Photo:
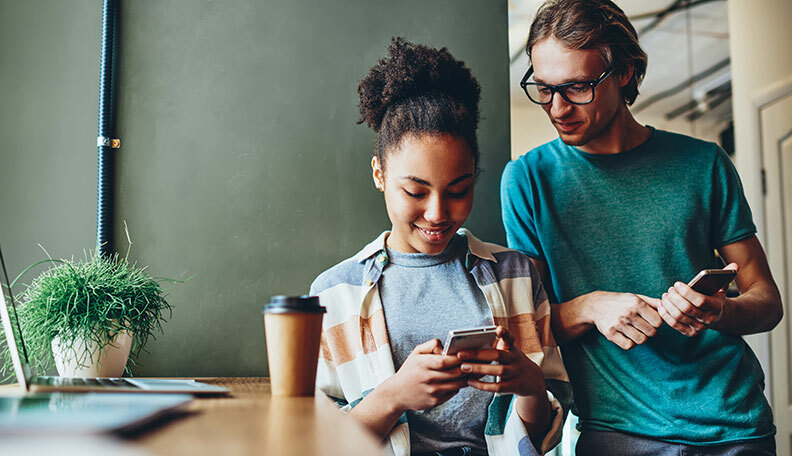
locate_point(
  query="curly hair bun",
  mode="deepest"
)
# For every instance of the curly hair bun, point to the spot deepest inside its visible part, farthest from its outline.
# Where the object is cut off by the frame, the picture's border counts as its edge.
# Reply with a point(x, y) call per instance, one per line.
point(414, 70)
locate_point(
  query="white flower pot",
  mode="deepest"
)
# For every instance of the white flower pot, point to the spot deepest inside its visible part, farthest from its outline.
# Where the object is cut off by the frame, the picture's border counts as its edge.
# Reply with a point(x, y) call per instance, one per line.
point(91, 360)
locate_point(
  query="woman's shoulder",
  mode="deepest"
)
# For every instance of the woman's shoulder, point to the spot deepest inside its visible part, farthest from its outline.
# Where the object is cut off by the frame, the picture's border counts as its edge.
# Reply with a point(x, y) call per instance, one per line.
point(350, 271)
point(509, 262)
point(520, 284)
point(347, 272)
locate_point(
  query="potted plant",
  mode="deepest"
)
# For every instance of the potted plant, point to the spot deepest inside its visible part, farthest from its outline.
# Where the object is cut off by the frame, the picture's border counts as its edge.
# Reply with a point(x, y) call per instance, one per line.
point(89, 314)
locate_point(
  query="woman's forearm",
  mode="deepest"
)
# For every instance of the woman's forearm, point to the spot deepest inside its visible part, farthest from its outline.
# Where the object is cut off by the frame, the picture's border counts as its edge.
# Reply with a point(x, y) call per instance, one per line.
point(377, 412)
point(536, 413)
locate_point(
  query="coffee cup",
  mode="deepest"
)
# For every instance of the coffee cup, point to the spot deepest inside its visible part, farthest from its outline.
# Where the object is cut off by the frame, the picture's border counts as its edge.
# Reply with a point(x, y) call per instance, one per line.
point(293, 326)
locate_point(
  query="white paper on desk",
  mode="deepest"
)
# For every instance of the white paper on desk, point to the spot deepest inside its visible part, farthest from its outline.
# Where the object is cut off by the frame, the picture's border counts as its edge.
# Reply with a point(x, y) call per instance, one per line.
point(171, 384)
point(67, 446)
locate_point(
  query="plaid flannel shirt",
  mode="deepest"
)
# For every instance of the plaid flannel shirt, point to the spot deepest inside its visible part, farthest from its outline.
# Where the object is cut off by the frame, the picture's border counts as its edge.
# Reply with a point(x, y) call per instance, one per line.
point(355, 353)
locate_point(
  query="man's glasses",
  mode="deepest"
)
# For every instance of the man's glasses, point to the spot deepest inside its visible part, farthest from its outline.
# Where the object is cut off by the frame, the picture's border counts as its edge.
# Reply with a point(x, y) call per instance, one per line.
point(575, 92)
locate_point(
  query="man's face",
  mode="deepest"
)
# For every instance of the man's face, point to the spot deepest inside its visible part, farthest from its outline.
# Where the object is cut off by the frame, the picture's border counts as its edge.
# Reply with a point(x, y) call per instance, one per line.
point(577, 125)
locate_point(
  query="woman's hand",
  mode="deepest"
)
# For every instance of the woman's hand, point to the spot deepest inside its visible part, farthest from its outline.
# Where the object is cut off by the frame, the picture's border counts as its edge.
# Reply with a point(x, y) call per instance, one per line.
point(426, 379)
point(515, 372)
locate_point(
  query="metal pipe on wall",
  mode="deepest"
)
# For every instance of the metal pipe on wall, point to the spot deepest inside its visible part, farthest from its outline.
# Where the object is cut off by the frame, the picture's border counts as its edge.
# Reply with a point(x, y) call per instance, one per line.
point(104, 143)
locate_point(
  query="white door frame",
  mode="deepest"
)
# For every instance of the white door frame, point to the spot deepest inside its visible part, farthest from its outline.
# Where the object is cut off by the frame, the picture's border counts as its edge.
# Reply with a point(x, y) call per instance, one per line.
point(765, 344)
point(760, 343)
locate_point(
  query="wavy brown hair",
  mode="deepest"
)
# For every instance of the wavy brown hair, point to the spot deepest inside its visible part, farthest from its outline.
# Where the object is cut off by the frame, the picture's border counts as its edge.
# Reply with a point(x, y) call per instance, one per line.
point(593, 24)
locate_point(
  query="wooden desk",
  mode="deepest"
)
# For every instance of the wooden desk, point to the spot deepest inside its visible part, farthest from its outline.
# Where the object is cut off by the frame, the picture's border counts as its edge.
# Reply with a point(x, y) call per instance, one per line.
point(251, 422)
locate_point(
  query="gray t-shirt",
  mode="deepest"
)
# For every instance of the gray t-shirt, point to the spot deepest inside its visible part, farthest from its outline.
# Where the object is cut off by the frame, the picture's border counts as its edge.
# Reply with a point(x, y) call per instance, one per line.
point(424, 297)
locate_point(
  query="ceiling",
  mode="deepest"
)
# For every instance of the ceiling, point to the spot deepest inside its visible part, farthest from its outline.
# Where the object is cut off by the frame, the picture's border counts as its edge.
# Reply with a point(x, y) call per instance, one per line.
point(668, 39)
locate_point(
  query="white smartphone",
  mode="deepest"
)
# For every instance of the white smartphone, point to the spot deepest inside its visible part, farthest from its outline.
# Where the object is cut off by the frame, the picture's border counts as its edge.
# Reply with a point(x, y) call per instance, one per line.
point(469, 339)
point(709, 281)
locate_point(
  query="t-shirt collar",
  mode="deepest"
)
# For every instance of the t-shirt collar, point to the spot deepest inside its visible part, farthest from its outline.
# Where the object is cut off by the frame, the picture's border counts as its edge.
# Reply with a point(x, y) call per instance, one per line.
point(475, 247)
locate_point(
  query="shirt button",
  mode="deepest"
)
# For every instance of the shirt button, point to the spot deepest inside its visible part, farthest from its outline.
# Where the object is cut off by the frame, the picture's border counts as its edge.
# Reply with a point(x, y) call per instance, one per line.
point(382, 258)
point(369, 283)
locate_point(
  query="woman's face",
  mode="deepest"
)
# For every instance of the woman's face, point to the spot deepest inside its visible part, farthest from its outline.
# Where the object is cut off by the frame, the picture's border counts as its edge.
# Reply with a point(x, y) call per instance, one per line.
point(428, 184)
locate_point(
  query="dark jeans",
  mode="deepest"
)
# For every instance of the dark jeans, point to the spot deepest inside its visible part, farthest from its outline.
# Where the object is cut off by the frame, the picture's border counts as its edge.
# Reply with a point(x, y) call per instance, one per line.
point(596, 443)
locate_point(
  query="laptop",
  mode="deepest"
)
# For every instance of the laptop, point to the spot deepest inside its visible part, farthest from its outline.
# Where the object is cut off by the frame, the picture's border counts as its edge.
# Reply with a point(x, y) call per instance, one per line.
point(82, 413)
point(36, 383)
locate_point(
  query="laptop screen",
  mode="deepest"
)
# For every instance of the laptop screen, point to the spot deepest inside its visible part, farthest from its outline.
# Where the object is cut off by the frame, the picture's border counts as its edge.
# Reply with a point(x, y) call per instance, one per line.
point(15, 347)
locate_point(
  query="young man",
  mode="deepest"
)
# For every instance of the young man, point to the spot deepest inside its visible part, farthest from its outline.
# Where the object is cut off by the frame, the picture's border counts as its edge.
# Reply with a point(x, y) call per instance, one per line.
point(618, 217)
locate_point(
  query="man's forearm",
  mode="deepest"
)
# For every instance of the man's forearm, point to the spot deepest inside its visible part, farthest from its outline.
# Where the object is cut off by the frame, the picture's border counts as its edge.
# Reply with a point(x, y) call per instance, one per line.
point(757, 310)
point(569, 320)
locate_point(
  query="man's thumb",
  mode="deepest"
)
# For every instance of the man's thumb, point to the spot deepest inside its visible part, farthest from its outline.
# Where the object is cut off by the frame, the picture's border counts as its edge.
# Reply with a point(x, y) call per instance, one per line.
point(654, 302)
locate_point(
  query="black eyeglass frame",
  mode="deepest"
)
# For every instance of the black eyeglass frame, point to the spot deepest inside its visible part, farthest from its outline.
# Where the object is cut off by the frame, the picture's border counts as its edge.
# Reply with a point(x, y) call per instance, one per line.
point(559, 88)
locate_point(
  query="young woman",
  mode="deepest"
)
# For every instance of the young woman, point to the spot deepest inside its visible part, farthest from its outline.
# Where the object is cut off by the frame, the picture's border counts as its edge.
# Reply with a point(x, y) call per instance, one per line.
point(388, 305)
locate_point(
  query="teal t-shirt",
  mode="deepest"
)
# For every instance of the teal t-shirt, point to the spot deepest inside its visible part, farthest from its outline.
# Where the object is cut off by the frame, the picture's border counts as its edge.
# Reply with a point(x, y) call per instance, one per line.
point(637, 222)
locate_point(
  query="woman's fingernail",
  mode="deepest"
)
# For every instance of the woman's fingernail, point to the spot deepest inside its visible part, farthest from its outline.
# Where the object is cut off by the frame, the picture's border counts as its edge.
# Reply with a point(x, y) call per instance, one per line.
point(463, 355)
point(465, 368)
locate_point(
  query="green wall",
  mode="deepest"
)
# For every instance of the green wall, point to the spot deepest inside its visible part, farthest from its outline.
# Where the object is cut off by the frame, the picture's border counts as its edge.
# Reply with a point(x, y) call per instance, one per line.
point(241, 163)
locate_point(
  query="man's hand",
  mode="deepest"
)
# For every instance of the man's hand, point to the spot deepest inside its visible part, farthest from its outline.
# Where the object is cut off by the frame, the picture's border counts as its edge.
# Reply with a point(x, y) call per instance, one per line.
point(757, 309)
point(625, 319)
point(426, 379)
point(690, 312)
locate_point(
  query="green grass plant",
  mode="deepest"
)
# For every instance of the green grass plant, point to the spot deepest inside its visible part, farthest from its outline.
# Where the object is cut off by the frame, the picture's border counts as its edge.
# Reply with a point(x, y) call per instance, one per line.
point(90, 299)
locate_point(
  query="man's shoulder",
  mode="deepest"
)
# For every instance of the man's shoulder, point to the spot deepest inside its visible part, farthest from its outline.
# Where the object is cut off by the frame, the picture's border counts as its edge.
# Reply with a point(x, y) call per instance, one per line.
point(683, 143)
point(547, 153)
point(537, 160)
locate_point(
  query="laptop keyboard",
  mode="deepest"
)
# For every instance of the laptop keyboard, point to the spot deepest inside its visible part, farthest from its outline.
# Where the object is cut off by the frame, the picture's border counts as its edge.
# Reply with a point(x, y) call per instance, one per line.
point(81, 382)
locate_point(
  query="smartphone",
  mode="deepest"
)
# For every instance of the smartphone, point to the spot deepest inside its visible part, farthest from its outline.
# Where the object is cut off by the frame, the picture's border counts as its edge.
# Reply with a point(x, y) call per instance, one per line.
point(469, 339)
point(709, 281)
